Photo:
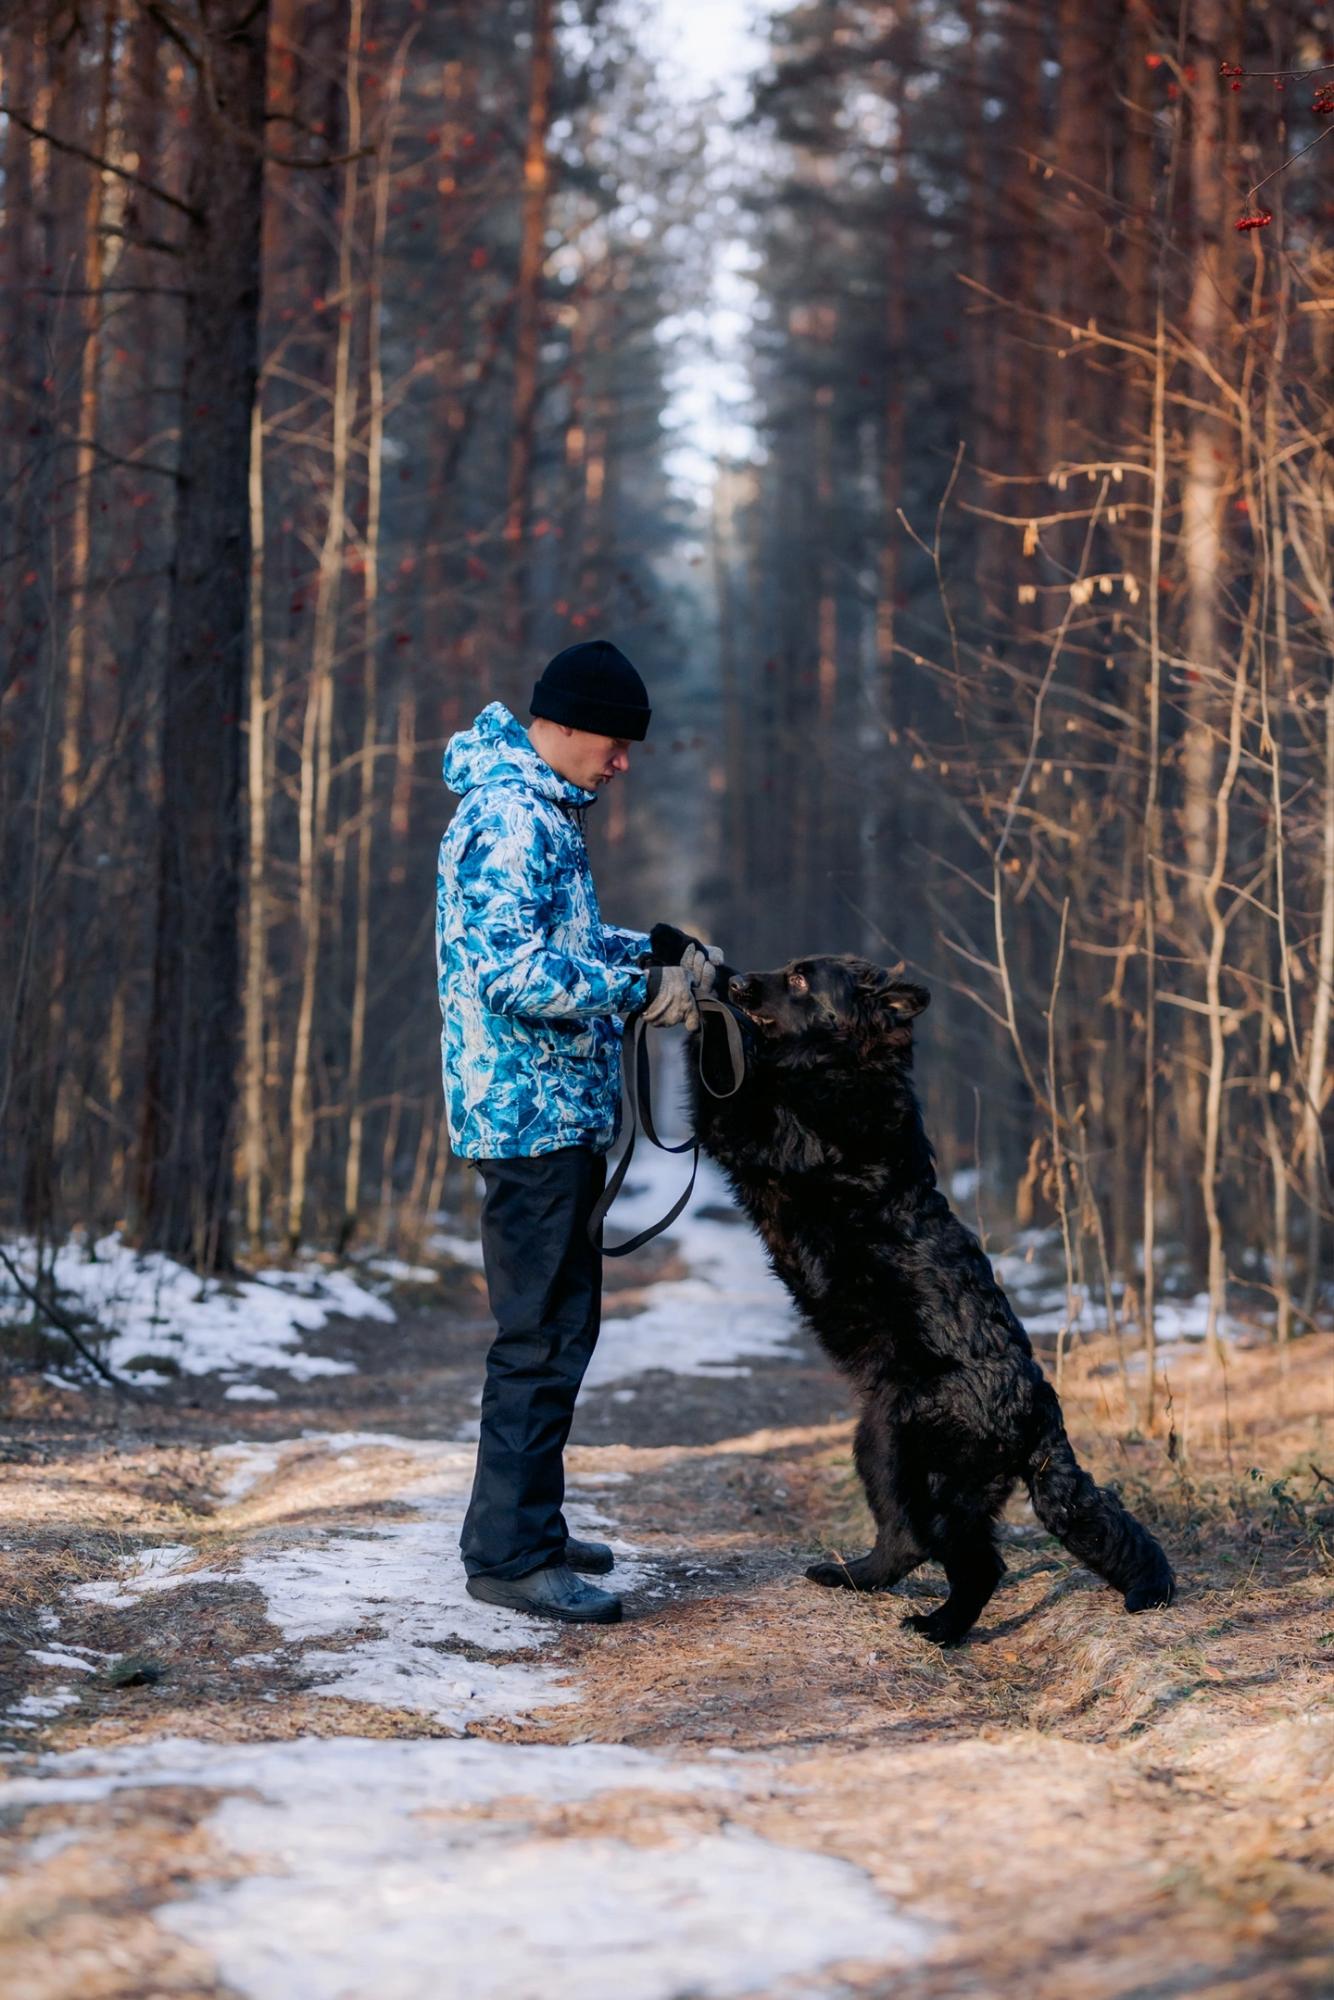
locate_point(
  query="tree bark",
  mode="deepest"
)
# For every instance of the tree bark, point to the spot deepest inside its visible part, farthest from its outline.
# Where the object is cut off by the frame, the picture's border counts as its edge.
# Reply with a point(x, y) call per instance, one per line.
point(258, 763)
point(185, 1179)
point(85, 450)
point(370, 691)
point(536, 183)
point(1202, 491)
point(317, 730)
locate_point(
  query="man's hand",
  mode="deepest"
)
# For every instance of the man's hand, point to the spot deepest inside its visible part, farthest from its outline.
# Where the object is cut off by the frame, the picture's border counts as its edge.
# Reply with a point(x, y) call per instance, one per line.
point(701, 961)
point(671, 998)
point(671, 946)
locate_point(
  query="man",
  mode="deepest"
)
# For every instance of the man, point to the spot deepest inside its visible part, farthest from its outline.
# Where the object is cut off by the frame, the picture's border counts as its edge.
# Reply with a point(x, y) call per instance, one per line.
point(532, 983)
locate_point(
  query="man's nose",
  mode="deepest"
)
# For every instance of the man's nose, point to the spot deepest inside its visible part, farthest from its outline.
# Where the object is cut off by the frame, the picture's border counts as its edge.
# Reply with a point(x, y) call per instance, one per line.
point(620, 760)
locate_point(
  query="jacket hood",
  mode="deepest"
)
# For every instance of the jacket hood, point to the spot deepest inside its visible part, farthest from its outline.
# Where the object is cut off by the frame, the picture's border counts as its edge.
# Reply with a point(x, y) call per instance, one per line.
point(496, 751)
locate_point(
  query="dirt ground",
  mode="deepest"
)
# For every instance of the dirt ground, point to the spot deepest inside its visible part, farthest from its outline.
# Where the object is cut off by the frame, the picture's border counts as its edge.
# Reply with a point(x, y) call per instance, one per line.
point(1079, 1803)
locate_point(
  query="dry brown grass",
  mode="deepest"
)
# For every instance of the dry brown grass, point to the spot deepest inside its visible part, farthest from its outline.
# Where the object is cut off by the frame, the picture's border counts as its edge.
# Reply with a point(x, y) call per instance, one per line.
point(1089, 1806)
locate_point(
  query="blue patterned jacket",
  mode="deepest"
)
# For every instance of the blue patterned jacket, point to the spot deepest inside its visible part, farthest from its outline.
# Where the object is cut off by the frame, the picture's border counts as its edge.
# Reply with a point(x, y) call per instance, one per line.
point(530, 978)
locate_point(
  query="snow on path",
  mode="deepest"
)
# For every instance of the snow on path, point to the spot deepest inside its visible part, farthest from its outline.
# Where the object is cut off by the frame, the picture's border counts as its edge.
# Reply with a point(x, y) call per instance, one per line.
point(403, 1578)
point(419, 1869)
point(726, 1313)
point(729, 1310)
point(373, 1878)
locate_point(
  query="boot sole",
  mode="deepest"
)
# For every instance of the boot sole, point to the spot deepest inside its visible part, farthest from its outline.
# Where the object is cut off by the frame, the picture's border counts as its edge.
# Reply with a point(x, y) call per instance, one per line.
point(488, 1592)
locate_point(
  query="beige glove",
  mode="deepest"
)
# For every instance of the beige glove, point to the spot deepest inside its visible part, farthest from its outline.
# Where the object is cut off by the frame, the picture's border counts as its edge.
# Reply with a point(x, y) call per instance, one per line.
point(671, 998)
point(701, 961)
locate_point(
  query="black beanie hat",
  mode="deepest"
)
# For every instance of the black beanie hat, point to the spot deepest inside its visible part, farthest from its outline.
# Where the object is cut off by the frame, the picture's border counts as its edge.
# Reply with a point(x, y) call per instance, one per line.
point(593, 686)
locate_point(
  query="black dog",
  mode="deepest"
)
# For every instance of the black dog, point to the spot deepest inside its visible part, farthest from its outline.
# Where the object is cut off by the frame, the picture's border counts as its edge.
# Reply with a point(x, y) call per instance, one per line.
point(825, 1149)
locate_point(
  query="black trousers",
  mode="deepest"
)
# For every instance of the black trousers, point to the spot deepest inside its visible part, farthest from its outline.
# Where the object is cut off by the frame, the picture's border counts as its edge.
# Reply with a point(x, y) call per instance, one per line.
point(544, 1279)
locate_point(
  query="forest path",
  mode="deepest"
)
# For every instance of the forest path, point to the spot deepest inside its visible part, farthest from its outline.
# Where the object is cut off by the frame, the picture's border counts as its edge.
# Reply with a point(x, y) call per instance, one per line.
point(263, 1744)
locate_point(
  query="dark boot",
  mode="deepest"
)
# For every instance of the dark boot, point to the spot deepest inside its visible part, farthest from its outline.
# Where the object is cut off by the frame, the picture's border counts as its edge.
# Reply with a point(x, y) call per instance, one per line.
point(593, 1558)
point(551, 1592)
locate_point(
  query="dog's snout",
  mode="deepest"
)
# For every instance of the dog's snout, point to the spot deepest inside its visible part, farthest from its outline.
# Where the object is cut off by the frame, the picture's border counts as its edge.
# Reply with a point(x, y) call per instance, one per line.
point(739, 988)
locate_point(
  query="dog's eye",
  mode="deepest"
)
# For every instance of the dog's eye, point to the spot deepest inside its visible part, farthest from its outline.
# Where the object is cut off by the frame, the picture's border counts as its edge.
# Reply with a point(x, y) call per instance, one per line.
point(796, 982)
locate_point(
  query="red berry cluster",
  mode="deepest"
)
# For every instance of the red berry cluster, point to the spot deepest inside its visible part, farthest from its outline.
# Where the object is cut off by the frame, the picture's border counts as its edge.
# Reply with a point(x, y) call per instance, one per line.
point(1233, 71)
point(1323, 102)
point(1260, 220)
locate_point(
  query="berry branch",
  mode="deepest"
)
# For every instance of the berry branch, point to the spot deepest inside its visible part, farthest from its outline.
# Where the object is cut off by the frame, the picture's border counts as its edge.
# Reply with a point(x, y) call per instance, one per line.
point(1235, 75)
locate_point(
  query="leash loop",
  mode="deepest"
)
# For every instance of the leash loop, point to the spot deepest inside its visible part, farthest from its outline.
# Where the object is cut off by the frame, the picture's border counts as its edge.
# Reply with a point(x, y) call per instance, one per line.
point(636, 1078)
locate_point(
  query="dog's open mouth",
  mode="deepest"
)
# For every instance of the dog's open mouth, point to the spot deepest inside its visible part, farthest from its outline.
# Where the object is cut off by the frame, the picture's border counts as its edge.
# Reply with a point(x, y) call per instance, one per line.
point(762, 1021)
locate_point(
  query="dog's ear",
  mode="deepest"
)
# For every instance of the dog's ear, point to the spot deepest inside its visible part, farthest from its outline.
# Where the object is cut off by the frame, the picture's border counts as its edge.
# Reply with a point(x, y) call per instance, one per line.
point(905, 1001)
point(887, 1003)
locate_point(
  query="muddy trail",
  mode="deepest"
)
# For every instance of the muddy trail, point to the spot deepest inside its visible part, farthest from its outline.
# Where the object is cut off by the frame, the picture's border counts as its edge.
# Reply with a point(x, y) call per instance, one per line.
point(258, 1741)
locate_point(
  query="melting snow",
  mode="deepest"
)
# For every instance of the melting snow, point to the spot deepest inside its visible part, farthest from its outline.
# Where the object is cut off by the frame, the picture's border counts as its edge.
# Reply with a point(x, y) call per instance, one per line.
point(729, 1310)
point(161, 1311)
point(400, 1273)
point(30, 1709)
point(398, 1585)
point(459, 1249)
point(374, 1879)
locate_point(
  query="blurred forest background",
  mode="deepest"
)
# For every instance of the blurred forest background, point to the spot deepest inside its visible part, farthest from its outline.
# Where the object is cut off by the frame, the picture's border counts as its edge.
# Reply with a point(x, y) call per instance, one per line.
point(349, 348)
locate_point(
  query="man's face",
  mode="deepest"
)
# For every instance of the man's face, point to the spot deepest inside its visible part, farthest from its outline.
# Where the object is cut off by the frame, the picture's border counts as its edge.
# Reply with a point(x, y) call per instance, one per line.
point(589, 761)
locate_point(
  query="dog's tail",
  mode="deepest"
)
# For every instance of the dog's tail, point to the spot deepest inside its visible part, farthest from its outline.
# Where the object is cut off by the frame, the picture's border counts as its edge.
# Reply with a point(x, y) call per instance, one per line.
point(1094, 1526)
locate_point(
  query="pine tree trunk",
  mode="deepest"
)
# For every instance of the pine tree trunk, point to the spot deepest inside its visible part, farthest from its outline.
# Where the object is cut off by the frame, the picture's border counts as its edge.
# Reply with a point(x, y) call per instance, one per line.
point(190, 1092)
point(85, 448)
point(317, 729)
point(257, 874)
point(1201, 499)
point(536, 181)
point(370, 692)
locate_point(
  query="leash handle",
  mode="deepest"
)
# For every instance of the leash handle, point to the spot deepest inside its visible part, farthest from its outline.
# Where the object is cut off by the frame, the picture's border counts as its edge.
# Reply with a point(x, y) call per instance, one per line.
point(636, 1077)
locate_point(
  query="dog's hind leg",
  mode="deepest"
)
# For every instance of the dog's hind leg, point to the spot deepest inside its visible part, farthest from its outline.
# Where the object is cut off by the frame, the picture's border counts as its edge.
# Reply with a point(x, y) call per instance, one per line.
point(973, 1567)
point(897, 1549)
point(1094, 1526)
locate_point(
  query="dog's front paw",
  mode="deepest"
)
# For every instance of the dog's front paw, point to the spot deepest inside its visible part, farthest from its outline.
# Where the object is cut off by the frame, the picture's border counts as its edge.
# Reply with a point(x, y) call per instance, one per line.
point(833, 1575)
point(868, 1572)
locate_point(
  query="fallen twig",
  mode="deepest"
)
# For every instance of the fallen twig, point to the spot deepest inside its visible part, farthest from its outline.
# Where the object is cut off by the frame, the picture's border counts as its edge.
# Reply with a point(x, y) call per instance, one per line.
point(63, 1324)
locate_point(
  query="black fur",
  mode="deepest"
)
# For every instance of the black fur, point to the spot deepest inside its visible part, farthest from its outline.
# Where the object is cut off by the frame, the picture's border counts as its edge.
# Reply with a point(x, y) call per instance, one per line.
point(825, 1149)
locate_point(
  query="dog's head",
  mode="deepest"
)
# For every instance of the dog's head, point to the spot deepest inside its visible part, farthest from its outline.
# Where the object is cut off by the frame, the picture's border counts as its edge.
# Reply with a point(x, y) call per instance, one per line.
point(836, 1005)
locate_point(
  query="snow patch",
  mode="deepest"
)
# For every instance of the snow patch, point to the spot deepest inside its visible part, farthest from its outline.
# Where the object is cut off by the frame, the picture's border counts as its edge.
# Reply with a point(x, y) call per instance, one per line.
point(165, 1567)
point(400, 1273)
point(379, 1878)
point(30, 1709)
point(459, 1249)
point(160, 1310)
point(731, 1310)
point(405, 1578)
point(398, 1586)
point(246, 1466)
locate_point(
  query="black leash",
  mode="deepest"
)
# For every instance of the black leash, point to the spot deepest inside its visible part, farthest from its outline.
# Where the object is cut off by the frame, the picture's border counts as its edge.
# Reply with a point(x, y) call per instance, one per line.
point(636, 1078)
